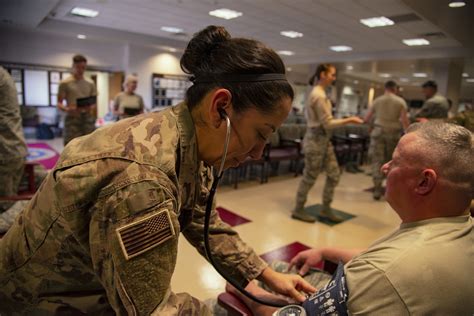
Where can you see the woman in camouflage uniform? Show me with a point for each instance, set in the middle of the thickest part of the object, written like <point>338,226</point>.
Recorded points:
<point>101,234</point>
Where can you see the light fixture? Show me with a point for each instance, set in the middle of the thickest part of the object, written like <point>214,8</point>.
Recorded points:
<point>416,42</point>
<point>171,29</point>
<point>457,4</point>
<point>377,21</point>
<point>286,52</point>
<point>81,36</point>
<point>349,67</point>
<point>465,75</point>
<point>385,75</point>
<point>291,34</point>
<point>289,69</point>
<point>225,13</point>
<point>356,81</point>
<point>404,79</point>
<point>420,75</point>
<point>470,80</point>
<point>340,48</point>
<point>172,49</point>
<point>84,12</point>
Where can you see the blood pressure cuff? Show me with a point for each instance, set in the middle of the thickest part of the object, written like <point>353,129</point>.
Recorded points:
<point>332,299</point>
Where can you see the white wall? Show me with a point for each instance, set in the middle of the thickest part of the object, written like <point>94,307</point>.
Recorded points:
<point>144,61</point>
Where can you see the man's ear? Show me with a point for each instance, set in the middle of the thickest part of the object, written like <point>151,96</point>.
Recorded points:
<point>221,101</point>
<point>426,182</point>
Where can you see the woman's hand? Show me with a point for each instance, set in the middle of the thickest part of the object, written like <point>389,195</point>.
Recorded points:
<point>304,260</point>
<point>287,284</point>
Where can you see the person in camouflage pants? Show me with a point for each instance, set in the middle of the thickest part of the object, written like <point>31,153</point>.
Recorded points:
<point>100,236</point>
<point>317,147</point>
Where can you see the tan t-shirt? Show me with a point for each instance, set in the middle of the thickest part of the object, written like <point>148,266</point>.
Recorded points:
<point>423,268</point>
<point>318,108</point>
<point>72,89</point>
<point>125,100</point>
<point>387,110</point>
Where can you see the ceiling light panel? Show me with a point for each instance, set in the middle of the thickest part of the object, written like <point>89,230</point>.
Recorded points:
<point>340,48</point>
<point>420,75</point>
<point>377,21</point>
<point>416,42</point>
<point>286,52</point>
<point>457,4</point>
<point>291,34</point>
<point>226,14</point>
<point>171,29</point>
<point>84,12</point>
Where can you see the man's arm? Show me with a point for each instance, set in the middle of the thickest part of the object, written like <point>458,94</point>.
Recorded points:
<point>404,119</point>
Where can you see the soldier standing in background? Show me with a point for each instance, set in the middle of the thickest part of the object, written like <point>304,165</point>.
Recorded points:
<point>79,121</point>
<point>13,150</point>
<point>128,100</point>
<point>317,147</point>
<point>436,106</point>
<point>465,118</point>
<point>389,112</point>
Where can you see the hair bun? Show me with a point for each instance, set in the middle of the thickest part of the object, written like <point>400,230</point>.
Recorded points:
<point>196,57</point>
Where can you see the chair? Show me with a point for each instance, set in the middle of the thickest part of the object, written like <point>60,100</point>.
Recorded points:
<point>27,192</point>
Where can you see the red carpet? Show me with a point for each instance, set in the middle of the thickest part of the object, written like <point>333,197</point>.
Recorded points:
<point>231,218</point>
<point>43,154</point>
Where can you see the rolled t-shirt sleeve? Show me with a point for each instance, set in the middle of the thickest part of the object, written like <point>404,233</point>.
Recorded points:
<point>370,291</point>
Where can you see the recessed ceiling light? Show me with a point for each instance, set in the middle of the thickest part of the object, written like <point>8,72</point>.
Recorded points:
<point>404,79</point>
<point>225,13</point>
<point>457,4</point>
<point>416,42</point>
<point>340,48</point>
<point>286,52</point>
<point>84,12</point>
<point>171,29</point>
<point>289,69</point>
<point>291,34</point>
<point>349,67</point>
<point>377,21</point>
<point>465,75</point>
<point>356,81</point>
<point>81,36</point>
<point>470,80</point>
<point>420,75</point>
<point>385,75</point>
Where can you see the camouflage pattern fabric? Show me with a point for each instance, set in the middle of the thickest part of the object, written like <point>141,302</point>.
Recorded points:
<point>465,119</point>
<point>12,140</point>
<point>76,126</point>
<point>319,156</point>
<point>436,107</point>
<point>101,233</point>
<point>11,172</point>
<point>382,144</point>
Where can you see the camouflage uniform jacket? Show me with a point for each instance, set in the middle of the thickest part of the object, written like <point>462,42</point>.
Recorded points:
<point>12,141</point>
<point>106,221</point>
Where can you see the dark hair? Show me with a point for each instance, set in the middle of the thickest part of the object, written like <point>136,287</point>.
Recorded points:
<point>430,84</point>
<point>391,84</point>
<point>79,59</point>
<point>321,68</point>
<point>212,52</point>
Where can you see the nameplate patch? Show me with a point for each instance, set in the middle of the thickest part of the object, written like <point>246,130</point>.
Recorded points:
<point>144,234</point>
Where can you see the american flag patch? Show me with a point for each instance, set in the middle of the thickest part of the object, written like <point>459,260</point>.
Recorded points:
<point>144,234</point>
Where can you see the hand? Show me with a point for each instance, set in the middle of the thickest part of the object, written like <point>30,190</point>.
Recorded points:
<point>287,284</point>
<point>422,119</point>
<point>304,260</point>
<point>357,120</point>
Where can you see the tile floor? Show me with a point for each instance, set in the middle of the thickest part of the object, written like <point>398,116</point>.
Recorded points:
<point>268,206</point>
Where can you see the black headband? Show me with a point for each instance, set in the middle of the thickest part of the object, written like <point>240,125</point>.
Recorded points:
<point>212,78</point>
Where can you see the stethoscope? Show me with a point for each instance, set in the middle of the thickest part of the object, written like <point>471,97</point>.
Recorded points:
<point>295,309</point>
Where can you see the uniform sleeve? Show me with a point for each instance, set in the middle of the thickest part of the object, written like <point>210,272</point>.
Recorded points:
<point>142,104</point>
<point>133,244</point>
<point>236,258</point>
<point>62,90</point>
<point>117,102</point>
<point>371,292</point>
<point>324,116</point>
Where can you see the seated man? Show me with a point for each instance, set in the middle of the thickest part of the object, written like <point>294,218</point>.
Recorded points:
<point>425,267</point>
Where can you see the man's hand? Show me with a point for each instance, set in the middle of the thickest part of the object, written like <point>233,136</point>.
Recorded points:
<point>304,260</point>
<point>287,284</point>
